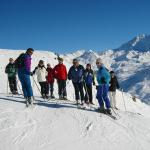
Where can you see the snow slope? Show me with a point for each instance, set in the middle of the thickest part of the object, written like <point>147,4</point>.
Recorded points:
<point>55,125</point>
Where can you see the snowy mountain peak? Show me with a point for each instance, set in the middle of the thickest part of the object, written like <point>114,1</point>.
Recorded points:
<point>139,43</point>
<point>138,39</point>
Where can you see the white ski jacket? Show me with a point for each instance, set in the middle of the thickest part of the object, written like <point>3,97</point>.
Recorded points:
<point>41,74</point>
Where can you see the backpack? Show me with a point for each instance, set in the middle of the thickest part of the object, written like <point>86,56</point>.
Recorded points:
<point>19,62</point>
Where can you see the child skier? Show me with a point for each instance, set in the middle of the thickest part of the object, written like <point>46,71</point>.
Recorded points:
<point>112,89</point>
<point>89,81</point>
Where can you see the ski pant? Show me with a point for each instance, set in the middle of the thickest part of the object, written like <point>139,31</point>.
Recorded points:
<point>50,86</point>
<point>112,96</point>
<point>102,96</point>
<point>26,84</point>
<point>78,87</point>
<point>44,88</point>
<point>88,95</point>
<point>62,88</point>
<point>12,84</point>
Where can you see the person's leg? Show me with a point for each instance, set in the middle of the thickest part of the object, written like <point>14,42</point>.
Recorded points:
<point>59,88</point>
<point>28,86</point>
<point>11,84</point>
<point>89,89</point>
<point>114,98</point>
<point>45,88</point>
<point>23,84</point>
<point>100,97</point>
<point>41,85</point>
<point>48,88</point>
<point>76,88</point>
<point>86,98</point>
<point>111,99</point>
<point>15,84</point>
<point>105,96</point>
<point>64,89</point>
<point>52,89</point>
<point>22,81</point>
<point>80,85</point>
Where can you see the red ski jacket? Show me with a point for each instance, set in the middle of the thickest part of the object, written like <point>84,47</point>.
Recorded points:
<point>50,77</point>
<point>60,72</point>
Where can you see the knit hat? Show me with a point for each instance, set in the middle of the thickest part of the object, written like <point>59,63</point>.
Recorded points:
<point>41,62</point>
<point>88,65</point>
<point>111,72</point>
<point>99,60</point>
<point>30,50</point>
<point>60,59</point>
<point>75,60</point>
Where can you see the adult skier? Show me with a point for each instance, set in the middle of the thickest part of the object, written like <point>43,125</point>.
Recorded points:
<point>112,89</point>
<point>41,73</point>
<point>50,80</point>
<point>103,79</point>
<point>76,74</point>
<point>11,71</point>
<point>89,81</point>
<point>60,73</point>
<point>23,63</point>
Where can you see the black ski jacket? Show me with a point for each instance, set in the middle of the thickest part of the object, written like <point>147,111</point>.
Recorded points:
<point>114,84</point>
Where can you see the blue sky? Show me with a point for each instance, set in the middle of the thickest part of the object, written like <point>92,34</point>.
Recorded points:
<point>69,25</point>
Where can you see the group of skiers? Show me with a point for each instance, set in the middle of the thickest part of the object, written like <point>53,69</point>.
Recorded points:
<point>82,79</point>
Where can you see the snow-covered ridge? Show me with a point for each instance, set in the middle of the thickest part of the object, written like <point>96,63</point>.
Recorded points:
<point>138,39</point>
<point>140,43</point>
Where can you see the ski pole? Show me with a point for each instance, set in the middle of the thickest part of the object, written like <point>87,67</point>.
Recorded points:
<point>123,100</point>
<point>7,86</point>
<point>19,87</point>
<point>36,85</point>
<point>85,87</point>
<point>116,113</point>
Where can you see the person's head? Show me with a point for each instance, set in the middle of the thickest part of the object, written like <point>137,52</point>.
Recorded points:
<point>11,61</point>
<point>41,63</point>
<point>75,62</point>
<point>88,66</point>
<point>60,60</point>
<point>99,62</point>
<point>30,51</point>
<point>112,74</point>
<point>48,65</point>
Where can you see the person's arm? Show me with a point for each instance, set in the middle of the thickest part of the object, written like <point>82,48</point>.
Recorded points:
<point>55,72</point>
<point>93,77</point>
<point>6,69</point>
<point>34,71</point>
<point>69,74</point>
<point>66,72</point>
<point>117,84</point>
<point>107,76</point>
<point>27,62</point>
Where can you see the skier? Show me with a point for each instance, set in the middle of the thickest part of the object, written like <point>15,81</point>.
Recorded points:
<point>11,71</point>
<point>41,73</point>
<point>89,80</point>
<point>103,78</point>
<point>50,80</point>
<point>60,73</point>
<point>112,89</point>
<point>23,63</point>
<point>76,73</point>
